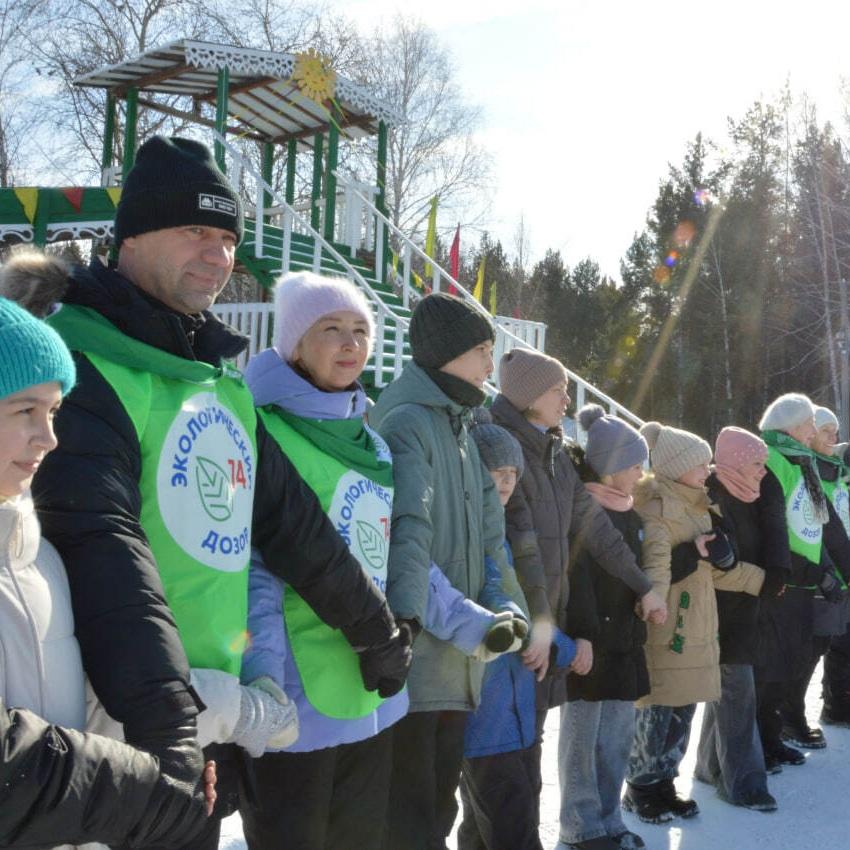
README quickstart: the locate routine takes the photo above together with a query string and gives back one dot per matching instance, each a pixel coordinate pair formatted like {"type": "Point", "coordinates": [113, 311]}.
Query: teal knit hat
{"type": "Point", "coordinates": [31, 352]}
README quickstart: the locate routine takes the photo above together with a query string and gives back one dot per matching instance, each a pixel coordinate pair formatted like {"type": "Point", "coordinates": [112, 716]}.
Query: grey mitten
{"type": "Point", "coordinates": [264, 719]}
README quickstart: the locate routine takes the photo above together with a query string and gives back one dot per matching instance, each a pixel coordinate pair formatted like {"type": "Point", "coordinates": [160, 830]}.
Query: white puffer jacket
{"type": "Point", "coordinates": [40, 666]}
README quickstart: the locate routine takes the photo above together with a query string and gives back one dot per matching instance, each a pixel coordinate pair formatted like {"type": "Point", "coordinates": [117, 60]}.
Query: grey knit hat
{"type": "Point", "coordinates": [824, 416]}
{"type": "Point", "coordinates": [787, 412]}
{"type": "Point", "coordinates": [443, 327]}
{"type": "Point", "coordinates": [673, 452]}
{"type": "Point", "coordinates": [524, 375]}
{"type": "Point", "coordinates": [612, 444]}
{"type": "Point", "coordinates": [496, 446]}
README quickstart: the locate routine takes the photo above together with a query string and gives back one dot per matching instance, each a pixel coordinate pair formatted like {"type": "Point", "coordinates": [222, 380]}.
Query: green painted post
{"type": "Point", "coordinates": [316, 193]}
{"type": "Point", "coordinates": [222, 89]}
{"type": "Point", "coordinates": [382, 168]}
{"type": "Point", "coordinates": [108, 136]}
{"type": "Point", "coordinates": [381, 200]}
{"type": "Point", "coordinates": [267, 169]}
{"type": "Point", "coordinates": [291, 154]}
{"type": "Point", "coordinates": [130, 132]}
{"type": "Point", "coordinates": [330, 177]}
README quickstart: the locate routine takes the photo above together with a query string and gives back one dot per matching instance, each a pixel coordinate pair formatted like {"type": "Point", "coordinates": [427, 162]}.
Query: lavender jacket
{"type": "Point", "coordinates": [450, 615]}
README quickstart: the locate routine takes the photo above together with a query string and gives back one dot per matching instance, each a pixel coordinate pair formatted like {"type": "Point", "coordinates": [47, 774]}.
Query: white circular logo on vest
{"type": "Point", "coordinates": [801, 515]}
{"type": "Point", "coordinates": [205, 483]}
{"type": "Point", "coordinates": [361, 511]}
{"type": "Point", "coordinates": [841, 503]}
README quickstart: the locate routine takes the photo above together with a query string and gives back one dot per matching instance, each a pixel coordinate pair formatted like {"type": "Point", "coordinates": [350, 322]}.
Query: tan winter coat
{"type": "Point", "coordinates": [673, 513]}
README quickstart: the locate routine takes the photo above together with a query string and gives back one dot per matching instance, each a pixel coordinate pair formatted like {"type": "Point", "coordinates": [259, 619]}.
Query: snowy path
{"type": "Point", "coordinates": [814, 810]}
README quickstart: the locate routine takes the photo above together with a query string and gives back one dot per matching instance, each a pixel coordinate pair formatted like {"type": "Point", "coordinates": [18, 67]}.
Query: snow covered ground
{"type": "Point", "coordinates": [814, 810]}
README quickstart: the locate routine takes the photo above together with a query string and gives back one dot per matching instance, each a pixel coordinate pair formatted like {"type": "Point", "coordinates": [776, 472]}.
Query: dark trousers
{"type": "Point", "coordinates": [836, 676]}
{"type": "Point", "coordinates": [793, 707]}
{"type": "Point", "coordinates": [501, 800]}
{"type": "Point", "coordinates": [769, 698]}
{"type": "Point", "coordinates": [427, 752]}
{"type": "Point", "coordinates": [329, 799]}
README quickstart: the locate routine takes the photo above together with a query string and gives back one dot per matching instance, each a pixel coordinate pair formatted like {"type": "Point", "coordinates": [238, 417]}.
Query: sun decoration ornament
{"type": "Point", "coordinates": [314, 75]}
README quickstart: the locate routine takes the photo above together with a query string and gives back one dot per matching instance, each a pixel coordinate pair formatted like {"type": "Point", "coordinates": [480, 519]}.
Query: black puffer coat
{"type": "Point", "coordinates": [785, 624]}
{"type": "Point", "coordinates": [59, 786]}
{"type": "Point", "coordinates": [549, 511]}
{"type": "Point", "coordinates": [602, 610]}
{"type": "Point", "coordinates": [738, 613]}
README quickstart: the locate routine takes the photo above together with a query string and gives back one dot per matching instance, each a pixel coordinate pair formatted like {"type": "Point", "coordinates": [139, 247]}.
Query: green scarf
{"type": "Point", "coordinates": [788, 447]}
{"type": "Point", "coordinates": [348, 441]}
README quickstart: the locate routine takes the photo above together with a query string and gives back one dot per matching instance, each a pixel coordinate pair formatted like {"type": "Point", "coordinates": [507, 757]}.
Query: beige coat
{"type": "Point", "coordinates": [673, 513]}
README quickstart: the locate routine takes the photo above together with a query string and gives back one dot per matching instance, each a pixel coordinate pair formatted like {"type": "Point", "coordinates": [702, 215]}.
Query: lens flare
{"type": "Point", "coordinates": [661, 275]}
{"type": "Point", "coordinates": [683, 234]}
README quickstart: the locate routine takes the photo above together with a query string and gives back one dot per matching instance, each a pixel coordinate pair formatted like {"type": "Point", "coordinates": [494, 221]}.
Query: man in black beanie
{"type": "Point", "coordinates": [165, 479]}
{"type": "Point", "coordinates": [446, 511]}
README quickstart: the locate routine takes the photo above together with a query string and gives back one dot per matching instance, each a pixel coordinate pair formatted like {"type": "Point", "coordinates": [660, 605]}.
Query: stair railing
{"type": "Point", "coordinates": [506, 336]}
{"type": "Point", "coordinates": [385, 318]}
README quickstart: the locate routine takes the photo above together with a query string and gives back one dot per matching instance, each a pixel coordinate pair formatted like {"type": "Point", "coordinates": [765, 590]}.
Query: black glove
{"type": "Point", "coordinates": [384, 666]}
{"type": "Point", "coordinates": [830, 587]}
{"type": "Point", "coordinates": [720, 551]}
{"type": "Point", "coordinates": [176, 810]}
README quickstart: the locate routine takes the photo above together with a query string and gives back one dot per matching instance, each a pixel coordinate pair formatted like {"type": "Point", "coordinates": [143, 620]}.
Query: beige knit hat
{"type": "Point", "coordinates": [524, 375]}
{"type": "Point", "coordinates": [672, 452]}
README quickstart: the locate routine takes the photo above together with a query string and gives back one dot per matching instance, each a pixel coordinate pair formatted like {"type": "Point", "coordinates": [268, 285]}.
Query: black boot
{"type": "Point", "coordinates": [800, 734]}
{"type": "Point", "coordinates": [680, 807]}
{"type": "Point", "coordinates": [782, 754]}
{"type": "Point", "coordinates": [646, 802]}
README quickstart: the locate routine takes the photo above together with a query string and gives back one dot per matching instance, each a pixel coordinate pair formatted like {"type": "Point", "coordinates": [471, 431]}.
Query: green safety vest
{"type": "Point", "coordinates": [361, 511]}
{"type": "Point", "coordinates": [805, 536]}
{"type": "Point", "coordinates": [838, 493]}
{"type": "Point", "coordinates": [196, 426]}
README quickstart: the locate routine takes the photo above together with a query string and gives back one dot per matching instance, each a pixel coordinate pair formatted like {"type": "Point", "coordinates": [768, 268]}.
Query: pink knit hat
{"type": "Point", "coordinates": [302, 298]}
{"type": "Point", "coordinates": [736, 447]}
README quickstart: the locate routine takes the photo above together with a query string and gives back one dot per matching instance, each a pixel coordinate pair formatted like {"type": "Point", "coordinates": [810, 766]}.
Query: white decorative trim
{"type": "Point", "coordinates": [79, 230]}
{"type": "Point", "coordinates": [24, 232]}
{"type": "Point", "coordinates": [265, 63]}
{"type": "Point", "coordinates": [242, 60]}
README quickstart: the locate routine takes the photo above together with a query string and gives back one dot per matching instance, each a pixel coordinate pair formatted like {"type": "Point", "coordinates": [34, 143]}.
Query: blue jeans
{"type": "Point", "coordinates": [660, 742]}
{"type": "Point", "coordinates": [593, 748]}
{"type": "Point", "coordinates": [730, 755]}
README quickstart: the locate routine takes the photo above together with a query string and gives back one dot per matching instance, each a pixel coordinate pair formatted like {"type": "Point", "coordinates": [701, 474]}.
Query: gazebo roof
{"type": "Point", "coordinates": [263, 97]}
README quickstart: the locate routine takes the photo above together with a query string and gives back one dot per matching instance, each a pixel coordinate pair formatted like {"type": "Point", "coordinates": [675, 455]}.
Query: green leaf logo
{"type": "Point", "coordinates": [214, 489]}
{"type": "Point", "coordinates": [372, 544]}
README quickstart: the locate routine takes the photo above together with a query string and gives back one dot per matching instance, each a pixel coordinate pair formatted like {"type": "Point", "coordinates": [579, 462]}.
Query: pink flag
{"type": "Point", "coordinates": [454, 260]}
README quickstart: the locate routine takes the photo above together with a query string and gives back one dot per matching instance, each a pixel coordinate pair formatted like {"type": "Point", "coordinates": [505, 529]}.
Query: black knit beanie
{"type": "Point", "coordinates": [175, 182]}
{"type": "Point", "coordinates": [444, 327]}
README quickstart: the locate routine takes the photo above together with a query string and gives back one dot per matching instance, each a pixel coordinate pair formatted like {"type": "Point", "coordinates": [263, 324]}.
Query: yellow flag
{"type": "Point", "coordinates": [114, 193]}
{"type": "Point", "coordinates": [431, 235]}
{"type": "Point", "coordinates": [29, 201]}
{"type": "Point", "coordinates": [478, 292]}
{"type": "Point", "coordinates": [493, 297]}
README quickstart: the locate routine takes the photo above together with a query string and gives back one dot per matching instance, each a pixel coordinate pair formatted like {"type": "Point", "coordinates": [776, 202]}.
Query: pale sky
{"type": "Point", "coordinates": [585, 103]}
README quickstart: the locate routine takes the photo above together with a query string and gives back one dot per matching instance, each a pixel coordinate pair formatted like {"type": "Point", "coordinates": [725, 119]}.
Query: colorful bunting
{"type": "Point", "coordinates": [478, 292]}
{"type": "Point", "coordinates": [114, 193]}
{"type": "Point", "coordinates": [74, 196]}
{"type": "Point", "coordinates": [29, 201]}
{"type": "Point", "coordinates": [431, 235]}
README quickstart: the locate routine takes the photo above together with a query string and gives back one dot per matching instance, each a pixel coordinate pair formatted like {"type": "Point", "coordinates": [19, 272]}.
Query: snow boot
{"type": "Point", "coordinates": [601, 843]}
{"type": "Point", "coordinates": [759, 800]}
{"type": "Point", "coordinates": [680, 806]}
{"type": "Point", "coordinates": [646, 802]}
{"type": "Point", "coordinates": [629, 841]}
{"type": "Point", "coordinates": [800, 734]}
{"type": "Point", "coordinates": [835, 715]}
{"type": "Point", "coordinates": [782, 754]}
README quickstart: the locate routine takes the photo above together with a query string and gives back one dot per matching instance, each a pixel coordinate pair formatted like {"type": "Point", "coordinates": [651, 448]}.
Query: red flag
{"type": "Point", "coordinates": [454, 260]}
{"type": "Point", "coordinates": [74, 196]}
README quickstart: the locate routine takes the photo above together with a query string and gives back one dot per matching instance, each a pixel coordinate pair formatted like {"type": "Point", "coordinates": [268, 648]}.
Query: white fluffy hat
{"type": "Point", "coordinates": [787, 412]}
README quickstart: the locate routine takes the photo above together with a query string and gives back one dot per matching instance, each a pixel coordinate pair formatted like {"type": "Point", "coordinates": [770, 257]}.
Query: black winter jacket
{"type": "Point", "coordinates": [602, 609]}
{"type": "Point", "coordinates": [548, 511]}
{"type": "Point", "coordinates": [60, 786]}
{"type": "Point", "coordinates": [785, 623]}
{"type": "Point", "coordinates": [87, 491]}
